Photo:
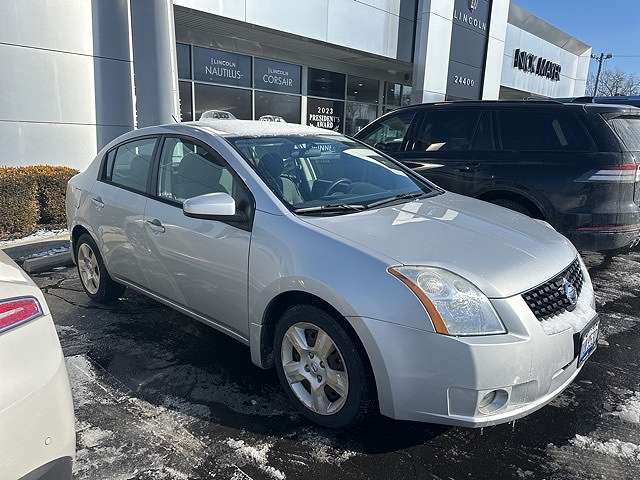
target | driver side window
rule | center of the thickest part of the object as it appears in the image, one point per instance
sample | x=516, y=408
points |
x=388, y=135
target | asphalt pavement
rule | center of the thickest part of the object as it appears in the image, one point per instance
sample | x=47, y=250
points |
x=160, y=396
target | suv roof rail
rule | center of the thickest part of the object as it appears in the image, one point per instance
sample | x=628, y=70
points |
x=542, y=100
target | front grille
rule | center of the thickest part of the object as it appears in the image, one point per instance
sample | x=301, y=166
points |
x=549, y=299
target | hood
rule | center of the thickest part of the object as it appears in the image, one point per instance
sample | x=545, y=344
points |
x=502, y=252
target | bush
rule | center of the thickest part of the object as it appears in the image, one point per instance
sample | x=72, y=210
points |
x=52, y=189
x=30, y=196
x=19, y=210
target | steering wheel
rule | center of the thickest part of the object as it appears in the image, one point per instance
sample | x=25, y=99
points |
x=336, y=184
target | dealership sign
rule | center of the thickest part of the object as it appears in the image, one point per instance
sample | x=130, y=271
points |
x=221, y=67
x=276, y=76
x=527, y=62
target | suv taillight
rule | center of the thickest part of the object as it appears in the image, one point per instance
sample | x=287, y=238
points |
x=18, y=310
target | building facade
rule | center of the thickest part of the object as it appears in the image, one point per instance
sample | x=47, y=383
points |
x=336, y=64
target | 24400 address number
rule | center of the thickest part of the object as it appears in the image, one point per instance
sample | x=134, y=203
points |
x=469, y=82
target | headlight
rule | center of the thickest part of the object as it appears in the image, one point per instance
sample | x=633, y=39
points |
x=455, y=305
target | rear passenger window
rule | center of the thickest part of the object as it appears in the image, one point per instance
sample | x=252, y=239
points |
x=128, y=166
x=446, y=130
x=628, y=129
x=388, y=135
x=527, y=130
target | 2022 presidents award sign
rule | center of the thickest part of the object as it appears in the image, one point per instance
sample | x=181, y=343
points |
x=221, y=67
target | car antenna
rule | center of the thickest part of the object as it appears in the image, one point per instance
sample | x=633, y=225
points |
x=174, y=118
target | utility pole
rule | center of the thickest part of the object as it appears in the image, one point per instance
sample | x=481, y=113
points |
x=600, y=59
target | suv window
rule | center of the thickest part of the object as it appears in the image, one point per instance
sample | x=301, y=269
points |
x=446, y=130
x=128, y=165
x=187, y=170
x=528, y=130
x=388, y=135
x=628, y=129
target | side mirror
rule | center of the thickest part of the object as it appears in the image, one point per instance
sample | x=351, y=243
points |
x=210, y=206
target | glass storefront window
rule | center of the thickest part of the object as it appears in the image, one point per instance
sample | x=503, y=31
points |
x=236, y=101
x=358, y=116
x=322, y=83
x=362, y=90
x=278, y=105
x=396, y=95
x=186, y=111
x=327, y=114
x=183, y=52
x=406, y=95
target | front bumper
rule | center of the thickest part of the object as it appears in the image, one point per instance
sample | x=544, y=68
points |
x=423, y=376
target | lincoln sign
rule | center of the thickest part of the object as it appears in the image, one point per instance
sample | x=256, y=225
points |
x=528, y=62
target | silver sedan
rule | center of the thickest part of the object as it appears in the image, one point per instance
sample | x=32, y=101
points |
x=368, y=288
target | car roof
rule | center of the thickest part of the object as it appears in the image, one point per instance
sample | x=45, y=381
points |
x=256, y=128
x=534, y=103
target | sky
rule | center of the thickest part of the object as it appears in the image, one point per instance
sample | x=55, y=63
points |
x=607, y=25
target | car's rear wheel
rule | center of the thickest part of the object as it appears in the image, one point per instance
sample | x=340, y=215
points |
x=321, y=368
x=94, y=278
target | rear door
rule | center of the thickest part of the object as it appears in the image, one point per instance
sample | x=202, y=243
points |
x=118, y=203
x=199, y=264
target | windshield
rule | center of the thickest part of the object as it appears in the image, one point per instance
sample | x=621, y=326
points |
x=314, y=173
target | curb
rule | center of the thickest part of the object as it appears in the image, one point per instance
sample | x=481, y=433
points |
x=48, y=262
x=42, y=255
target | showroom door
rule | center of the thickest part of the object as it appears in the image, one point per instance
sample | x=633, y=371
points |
x=202, y=265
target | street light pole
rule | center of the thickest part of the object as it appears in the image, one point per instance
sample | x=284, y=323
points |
x=600, y=61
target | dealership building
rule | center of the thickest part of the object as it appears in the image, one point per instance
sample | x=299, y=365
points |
x=78, y=73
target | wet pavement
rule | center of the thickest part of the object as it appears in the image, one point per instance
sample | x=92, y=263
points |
x=161, y=396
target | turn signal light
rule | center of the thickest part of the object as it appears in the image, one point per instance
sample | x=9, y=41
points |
x=18, y=310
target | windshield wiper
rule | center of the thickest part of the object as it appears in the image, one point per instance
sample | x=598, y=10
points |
x=400, y=196
x=338, y=207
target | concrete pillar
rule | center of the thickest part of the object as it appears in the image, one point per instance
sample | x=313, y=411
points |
x=495, y=49
x=431, y=52
x=155, y=74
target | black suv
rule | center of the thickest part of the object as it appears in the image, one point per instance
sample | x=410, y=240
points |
x=576, y=166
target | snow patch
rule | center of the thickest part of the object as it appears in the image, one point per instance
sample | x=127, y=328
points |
x=611, y=448
x=323, y=451
x=629, y=411
x=255, y=455
x=93, y=436
x=42, y=234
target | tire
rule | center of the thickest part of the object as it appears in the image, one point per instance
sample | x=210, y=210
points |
x=358, y=401
x=515, y=206
x=99, y=286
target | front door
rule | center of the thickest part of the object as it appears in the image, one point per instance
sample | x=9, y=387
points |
x=119, y=201
x=444, y=147
x=201, y=265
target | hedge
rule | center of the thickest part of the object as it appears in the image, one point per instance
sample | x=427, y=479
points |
x=31, y=196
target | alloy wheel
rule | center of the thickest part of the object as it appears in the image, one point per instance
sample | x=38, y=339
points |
x=88, y=268
x=314, y=368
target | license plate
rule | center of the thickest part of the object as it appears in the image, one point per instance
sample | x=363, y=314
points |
x=588, y=342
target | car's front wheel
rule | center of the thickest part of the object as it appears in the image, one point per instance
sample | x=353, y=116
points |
x=321, y=368
x=95, y=280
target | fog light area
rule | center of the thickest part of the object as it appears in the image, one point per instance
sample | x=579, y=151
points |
x=493, y=401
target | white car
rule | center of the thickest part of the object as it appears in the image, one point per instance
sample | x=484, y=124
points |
x=37, y=425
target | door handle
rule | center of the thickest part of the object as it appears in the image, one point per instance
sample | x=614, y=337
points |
x=156, y=225
x=97, y=201
x=469, y=167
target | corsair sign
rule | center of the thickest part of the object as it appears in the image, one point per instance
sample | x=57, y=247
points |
x=527, y=62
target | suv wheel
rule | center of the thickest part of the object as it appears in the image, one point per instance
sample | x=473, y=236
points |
x=511, y=205
x=93, y=275
x=321, y=369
